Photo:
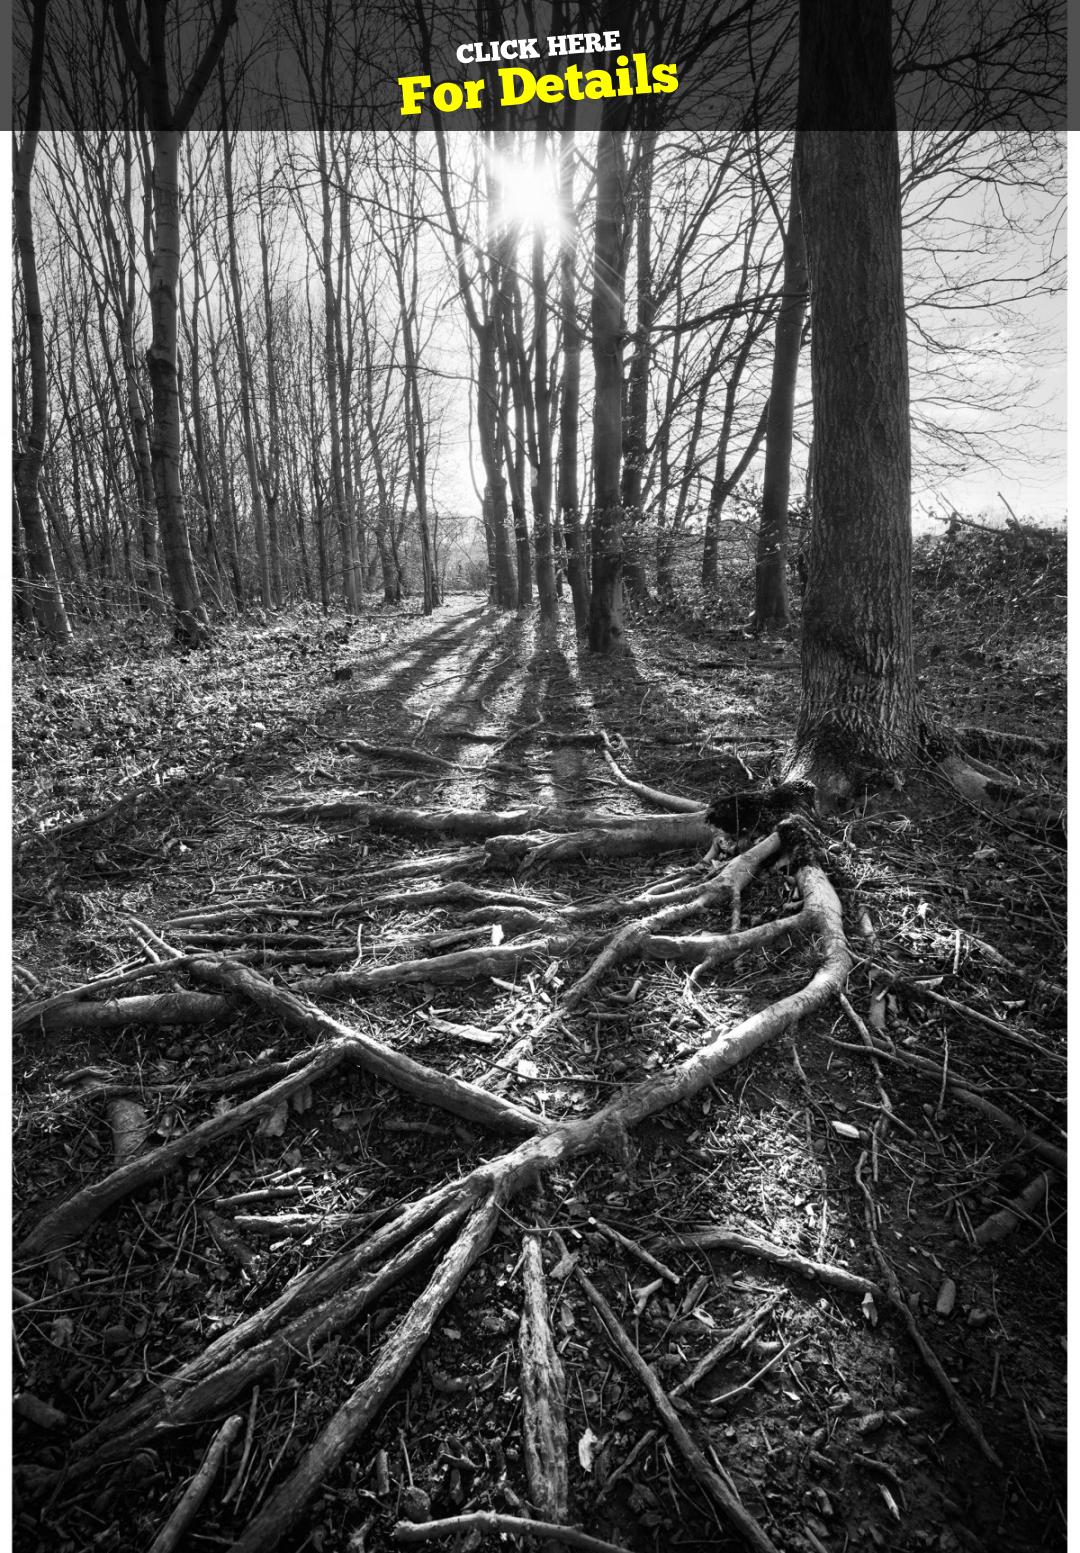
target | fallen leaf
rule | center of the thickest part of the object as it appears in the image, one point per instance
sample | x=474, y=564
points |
x=586, y=1449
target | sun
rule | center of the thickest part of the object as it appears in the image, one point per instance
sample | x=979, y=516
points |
x=527, y=195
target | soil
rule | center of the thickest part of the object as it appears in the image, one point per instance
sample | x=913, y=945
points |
x=846, y=1442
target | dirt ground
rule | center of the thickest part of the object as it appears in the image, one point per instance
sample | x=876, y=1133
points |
x=142, y=784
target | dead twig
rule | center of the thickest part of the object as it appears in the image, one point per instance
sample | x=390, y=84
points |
x=896, y=1299
x=710, y=1480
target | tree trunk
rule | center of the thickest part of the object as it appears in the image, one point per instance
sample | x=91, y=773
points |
x=771, y=594
x=569, y=494
x=606, y=631
x=350, y=582
x=636, y=419
x=246, y=384
x=48, y=600
x=168, y=123
x=514, y=457
x=858, y=710
x=487, y=428
x=191, y=618
x=542, y=477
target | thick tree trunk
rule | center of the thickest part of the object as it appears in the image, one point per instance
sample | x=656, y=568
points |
x=771, y=595
x=858, y=692
x=606, y=631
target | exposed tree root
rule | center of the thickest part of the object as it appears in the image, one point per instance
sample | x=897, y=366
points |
x=453, y=1224
x=513, y=1525
x=164, y=1008
x=726, y=1238
x=348, y=1424
x=995, y=741
x=466, y=823
x=43, y=1012
x=179, y=1521
x=543, y=1395
x=1005, y=1220
x=318, y=1304
x=73, y=1218
x=670, y=801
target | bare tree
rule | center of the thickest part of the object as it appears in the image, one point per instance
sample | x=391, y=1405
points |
x=167, y=124
x=771, y=595
x=48, y=601
x=857, y=712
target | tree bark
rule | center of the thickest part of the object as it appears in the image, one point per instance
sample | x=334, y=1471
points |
x=606, y=630
x=350, y=581
x=569, y=402
x=48, y=600
x=246, y=384
x=636, y=419
x=858, y=709
x=543, y=471
x=168, y=124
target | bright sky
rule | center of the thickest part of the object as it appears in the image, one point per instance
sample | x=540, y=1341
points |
x=1031, y=473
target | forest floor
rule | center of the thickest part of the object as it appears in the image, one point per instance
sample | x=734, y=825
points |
x=144, y=788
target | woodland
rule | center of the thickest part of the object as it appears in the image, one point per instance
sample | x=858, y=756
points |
x=538, y=906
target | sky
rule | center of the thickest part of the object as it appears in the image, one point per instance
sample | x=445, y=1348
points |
x=1019, y=356
x=1031, y=476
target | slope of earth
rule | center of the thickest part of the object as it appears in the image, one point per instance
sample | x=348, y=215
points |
x=150, y=800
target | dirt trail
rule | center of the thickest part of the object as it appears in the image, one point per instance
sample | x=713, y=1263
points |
x=842, y=1441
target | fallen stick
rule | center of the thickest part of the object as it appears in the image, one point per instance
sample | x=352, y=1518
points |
x=179, y=1521
x=710, y=1480
x=957, y=1088
x=1016, y=1036
x=491, y=1520
x=747, y=1386
x=960, y=1412
x=736, y=1338
x=634, y=1249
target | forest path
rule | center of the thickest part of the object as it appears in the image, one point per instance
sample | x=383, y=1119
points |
x=769, y=1151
